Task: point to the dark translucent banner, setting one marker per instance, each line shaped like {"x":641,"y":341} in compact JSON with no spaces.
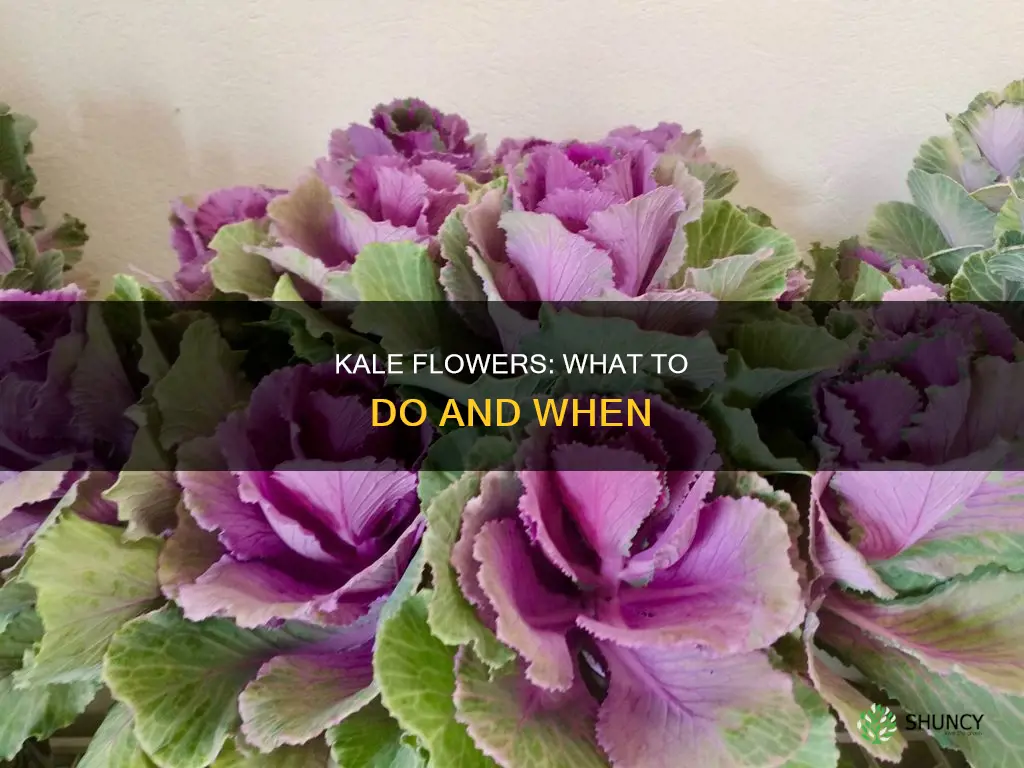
{"x":667,"y":382}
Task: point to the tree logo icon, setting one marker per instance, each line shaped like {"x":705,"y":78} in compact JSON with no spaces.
{"x":877,"y":725}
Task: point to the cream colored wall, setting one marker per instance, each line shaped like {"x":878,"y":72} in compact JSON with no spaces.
{"x":820,"y":104}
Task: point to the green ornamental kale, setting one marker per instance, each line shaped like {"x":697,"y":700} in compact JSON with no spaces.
{"x":33,"y":256}
{"x":966,"y":217}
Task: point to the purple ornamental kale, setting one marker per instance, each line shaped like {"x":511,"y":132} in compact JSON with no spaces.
{"x":42,"y":336}
{"x":416,"y":131}
{"x":391,"y":182}
{"x":870,"y":525}
{"x":935,"y":383}
{"x":511,"y":151}
{"x":909,"y":272}
{"x":319,"y":234}
{"x":664,"y":137}
{"x":408,"y":168}
{"x":594,"y":551}
{"x":317,"y":516}
{"x":194,"y":226}
{"x":28,"y":498}
{"x":583,"y":220}
{"x":798,"y":285}
{"x":934,"y":562}
{"x":388,"y":188}
{"x":48,"y":433}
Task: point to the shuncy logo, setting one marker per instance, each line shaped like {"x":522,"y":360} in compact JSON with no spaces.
{"x":877,"y":725}
{"x":945,"y":722}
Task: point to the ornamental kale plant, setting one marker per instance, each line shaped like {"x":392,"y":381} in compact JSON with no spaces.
{"x":580,"y":202}
{"x":238,"y":551}
{"x":929,"y":388}
{"x":329,"y":522}
{"x":33,"y":256}
{"x":966,"y":217}
{"x":51,"y":432}
{"x":641,"y":584}
{"x":919,"y":590}
{"x":193,"y":226}
{"x":410,"y":167}
{"x":614,"y":212}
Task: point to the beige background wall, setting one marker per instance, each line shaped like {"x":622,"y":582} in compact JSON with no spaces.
{"x":820,"y":104}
